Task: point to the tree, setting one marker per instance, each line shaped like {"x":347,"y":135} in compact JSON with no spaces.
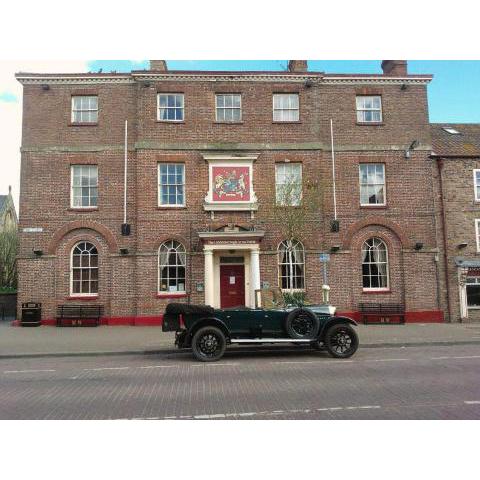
{"x":297,"y":208}
{"x":8,"y":255}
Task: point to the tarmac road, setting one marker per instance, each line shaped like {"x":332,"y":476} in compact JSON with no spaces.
{"x":428,"y":382}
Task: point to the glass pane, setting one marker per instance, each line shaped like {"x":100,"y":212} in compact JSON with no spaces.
{"x":236,"y":115}
{"x":220,"y":100}
{"x":236,"y":101}
{"x":171,"y":101}
{"x":162,"y":101}
{"x":228,"y":101}
{"x":376,"y":102}
{"x":178,"y":114}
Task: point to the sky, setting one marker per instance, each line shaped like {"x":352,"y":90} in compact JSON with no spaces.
{"x":454,"y":94}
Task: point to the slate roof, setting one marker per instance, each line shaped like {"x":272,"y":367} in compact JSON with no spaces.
{"x":465,"y":144}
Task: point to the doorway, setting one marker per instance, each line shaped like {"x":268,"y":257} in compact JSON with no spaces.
{"x":232,"y":285}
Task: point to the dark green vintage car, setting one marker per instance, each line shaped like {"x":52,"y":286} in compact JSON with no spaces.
{"x":208,"y":331}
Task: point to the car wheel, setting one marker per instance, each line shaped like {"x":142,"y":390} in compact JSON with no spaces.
{"x":209,"y":344}
{"x":341,"y":341}
{"x":302,"y":324}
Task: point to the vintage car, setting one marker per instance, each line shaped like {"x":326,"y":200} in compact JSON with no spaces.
{"x":208,"y":331}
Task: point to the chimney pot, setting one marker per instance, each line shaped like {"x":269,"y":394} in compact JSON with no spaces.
{"x":158,"y":65}
{"x":394,"y":68}
{"x":297,"y":66}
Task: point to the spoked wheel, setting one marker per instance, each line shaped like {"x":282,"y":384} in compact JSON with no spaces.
{"x":209,"y":344}
{"x":341,"y":341}
{"x":302,"y":323}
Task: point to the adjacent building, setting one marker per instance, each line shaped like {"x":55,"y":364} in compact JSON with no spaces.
{"x":456,"y":152}
{"x":143,"y":188}
{"x":8,"y":214}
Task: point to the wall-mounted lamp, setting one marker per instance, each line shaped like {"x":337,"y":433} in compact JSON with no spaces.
{"x":124,"y":251}
{"x":146,"y":84}
{"x":404,"y":86}
{"x":335,"y":248}
{"x":418,"y":246}
{"x":462,"y":245}
{"x":45,"y":87}
{"x":308,"y":84}
{"x":412,"y":147}
{"x":125,"y":229}
{"x":37,"y":253}
{"x":335,"y":226}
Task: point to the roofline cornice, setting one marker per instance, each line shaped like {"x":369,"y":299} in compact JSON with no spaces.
{"x":74,"y":79}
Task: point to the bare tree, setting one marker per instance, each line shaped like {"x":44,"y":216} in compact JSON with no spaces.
{"x":8,"y":263}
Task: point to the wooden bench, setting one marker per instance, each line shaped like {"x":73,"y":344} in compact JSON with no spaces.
{"x":382,"y":313}
{"x":79,"y":315}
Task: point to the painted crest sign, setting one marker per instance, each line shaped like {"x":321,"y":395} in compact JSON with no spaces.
{"x":230,"y":183}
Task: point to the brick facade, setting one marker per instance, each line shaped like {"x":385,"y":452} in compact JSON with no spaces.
{"x":128,"y":283}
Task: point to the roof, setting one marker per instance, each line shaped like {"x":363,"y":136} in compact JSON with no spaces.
{"x":3,"y":200}
{"x":464,"y":144}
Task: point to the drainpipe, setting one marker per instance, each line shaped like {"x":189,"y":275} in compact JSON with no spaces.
{"x":444,"y":233}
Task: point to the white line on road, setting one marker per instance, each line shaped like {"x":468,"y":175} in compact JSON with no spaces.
{"x":216,"y":365}
{"x":159,"y":366}
{"x":389,"y":360}
{"x":28,"y":371}
{"x":303,"y":362}
{"x":472,"y":402}
{"x":466,"y":357}
{"x":104,"y":368}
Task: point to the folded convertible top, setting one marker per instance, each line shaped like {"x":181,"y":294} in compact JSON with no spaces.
{"x":187,"y":309}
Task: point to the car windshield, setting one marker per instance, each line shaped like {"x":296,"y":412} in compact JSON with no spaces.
{"x":270,"y":298}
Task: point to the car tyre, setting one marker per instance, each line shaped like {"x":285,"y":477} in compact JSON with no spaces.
{"x":341,"y":341}
{"x":302,"y":323}
{"x":209,"y":344}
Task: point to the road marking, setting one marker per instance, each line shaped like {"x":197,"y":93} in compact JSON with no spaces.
{"x":28,"y":371}
{"x":216,"y":416}
{"x":466,"y":357}
{"x":159,"y":366}
{"x":303,"y":362}
{"x":472,"y":402}
{"x":105,"y":368}
{"x":389,"y":360}
{"x":216,"y":365}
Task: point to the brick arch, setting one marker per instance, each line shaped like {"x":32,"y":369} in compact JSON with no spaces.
{"x":77,"y":225}
{"x":371,"y":221}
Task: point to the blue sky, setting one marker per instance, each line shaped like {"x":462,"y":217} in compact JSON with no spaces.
{"x":454,"y":94}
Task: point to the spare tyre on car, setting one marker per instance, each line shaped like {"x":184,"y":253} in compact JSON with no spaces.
{"x":302,"y":323}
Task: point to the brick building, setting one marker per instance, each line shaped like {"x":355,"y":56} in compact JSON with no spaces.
{"x":209,"y":156}
{"x":456,"y":151}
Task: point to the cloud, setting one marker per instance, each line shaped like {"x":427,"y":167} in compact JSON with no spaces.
{"x":11,"y":113}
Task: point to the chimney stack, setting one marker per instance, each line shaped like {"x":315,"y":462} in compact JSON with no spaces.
{"x":158,"y":65}
{"x":297,"y":66}
{"x":394,"y":68}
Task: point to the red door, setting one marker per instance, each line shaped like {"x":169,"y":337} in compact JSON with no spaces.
{"x":232,"y":286}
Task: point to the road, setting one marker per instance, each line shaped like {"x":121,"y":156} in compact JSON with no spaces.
{"x":377,"y":383}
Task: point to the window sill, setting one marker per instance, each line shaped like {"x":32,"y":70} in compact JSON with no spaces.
{"x":373,"y":124}
{"x":82,"y":297}
{"x":171,"y":207}
{"x":228,"y":123}
{"x":172,"y":122}
{"x":84,"y":124}
{"x":172,"y":295}
{"x":375,"y":207}
{"x":373,"y":291}
{"x":80,"y":209}
{"x":277,"y":122}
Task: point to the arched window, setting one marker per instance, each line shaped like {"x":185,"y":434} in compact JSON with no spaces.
{"x":291,"y":263}
{"x":171,"y":267}
{"x":375,"y":264}
{"x":84,"y":269}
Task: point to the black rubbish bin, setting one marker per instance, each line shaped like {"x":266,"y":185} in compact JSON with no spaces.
{"x":31,"y":314}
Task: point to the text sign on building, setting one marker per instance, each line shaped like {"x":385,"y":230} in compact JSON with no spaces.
{"x":33,"y":230}
{"x":324,"y":257}
{"x":231,"y":183}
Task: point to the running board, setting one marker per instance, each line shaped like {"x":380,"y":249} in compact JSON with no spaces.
{"x":272,"y":340}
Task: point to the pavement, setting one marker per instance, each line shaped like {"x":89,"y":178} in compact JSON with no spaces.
{"x":46,"y":341}
{"x":422,"y":382}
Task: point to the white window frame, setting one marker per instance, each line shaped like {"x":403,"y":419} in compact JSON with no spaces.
{"x":224,"y":108}
{"x":72,"y":187}
{"x":366,"y":185}
{"x":81,"y":110}
{"x":361,"y":109}
{"x":179,"y":249}
{"x":288,"y":109}
{"x":89,"y":268}
{"x":161,"y":186}
{"x":387,"y":263}
{"x":477,"y":233}
{"x":182,"y":108}
{"x":296,"y":245}
{"x":281,"y":179}
{"x":476,"y":191}
{"x":470,"y":282}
